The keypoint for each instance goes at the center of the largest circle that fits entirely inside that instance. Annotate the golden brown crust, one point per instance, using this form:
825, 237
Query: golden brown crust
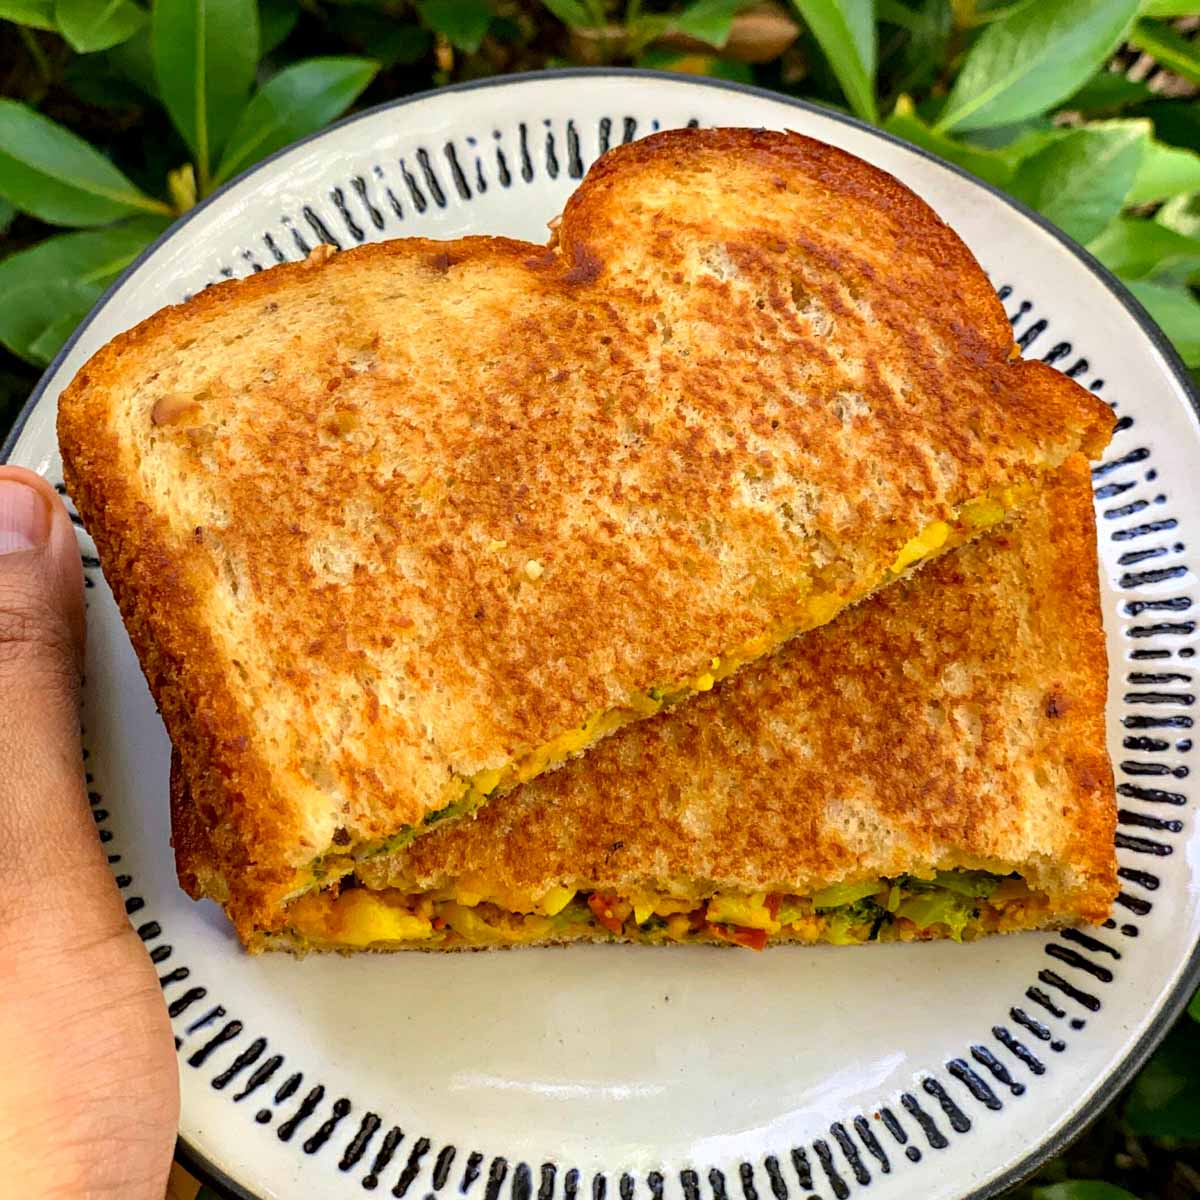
411, 512
954, 719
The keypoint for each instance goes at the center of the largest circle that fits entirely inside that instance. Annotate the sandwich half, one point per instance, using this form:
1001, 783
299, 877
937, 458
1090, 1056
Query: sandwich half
397, 529
930, 764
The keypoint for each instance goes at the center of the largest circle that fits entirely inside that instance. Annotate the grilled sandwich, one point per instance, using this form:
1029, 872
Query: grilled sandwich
397, 529
931, 764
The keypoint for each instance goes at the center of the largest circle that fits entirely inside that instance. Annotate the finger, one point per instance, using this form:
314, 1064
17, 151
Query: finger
46, 835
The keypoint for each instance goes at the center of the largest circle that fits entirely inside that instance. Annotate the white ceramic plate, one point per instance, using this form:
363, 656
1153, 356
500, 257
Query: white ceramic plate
889, 1071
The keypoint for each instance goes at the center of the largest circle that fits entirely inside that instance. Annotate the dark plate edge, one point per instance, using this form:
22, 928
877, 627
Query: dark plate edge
209, 1174
198, 1164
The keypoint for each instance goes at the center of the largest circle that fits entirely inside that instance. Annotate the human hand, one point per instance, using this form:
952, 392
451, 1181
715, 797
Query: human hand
89, 1089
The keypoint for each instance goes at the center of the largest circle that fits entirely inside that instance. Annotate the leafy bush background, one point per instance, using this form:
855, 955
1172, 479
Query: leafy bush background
116, 116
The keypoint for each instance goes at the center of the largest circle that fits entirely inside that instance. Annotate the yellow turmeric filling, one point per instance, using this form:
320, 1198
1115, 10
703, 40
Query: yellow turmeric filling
464, 794
959, 904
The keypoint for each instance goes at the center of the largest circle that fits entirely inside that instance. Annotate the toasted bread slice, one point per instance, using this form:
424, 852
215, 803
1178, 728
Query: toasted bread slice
396, 529
939, 749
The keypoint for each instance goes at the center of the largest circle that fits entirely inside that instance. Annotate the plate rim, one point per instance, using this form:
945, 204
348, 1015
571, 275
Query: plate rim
198, 1164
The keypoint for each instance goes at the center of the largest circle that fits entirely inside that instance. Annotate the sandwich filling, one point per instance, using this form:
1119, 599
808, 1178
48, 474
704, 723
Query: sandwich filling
465, 794
959, 904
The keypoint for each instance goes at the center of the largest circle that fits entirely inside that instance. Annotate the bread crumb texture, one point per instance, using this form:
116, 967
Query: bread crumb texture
392, 517
953, 720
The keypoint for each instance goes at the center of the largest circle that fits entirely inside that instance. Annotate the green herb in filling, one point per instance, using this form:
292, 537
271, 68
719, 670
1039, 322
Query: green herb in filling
576, 913
843, 894
857, 922
859, 911
939, 908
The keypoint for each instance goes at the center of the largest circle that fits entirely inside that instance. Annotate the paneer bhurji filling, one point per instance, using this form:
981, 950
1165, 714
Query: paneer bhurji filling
960, 904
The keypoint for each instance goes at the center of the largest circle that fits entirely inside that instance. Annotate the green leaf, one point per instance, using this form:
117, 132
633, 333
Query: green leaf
47, 344
644, 29
1177, 313
7, 212
205, 53
1168, 48
133, 60
90, 25
51, 173
276, 19
298, 101
1082, 1189
1138, 249
38, 14
845, 31
1081, 181
1021, 140
1193, 1008
461, 22
1165, 171
95, 80
571, 12
45, 291
1033, 57
994, 166
1107, 93
1170, 8
1165, 1098
709, 21
724, 68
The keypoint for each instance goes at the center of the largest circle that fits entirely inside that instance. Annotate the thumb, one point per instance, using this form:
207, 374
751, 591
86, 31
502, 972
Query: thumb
84, 1109
45, 833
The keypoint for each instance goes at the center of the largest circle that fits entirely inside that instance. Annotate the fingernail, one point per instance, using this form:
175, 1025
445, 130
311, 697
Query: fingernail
24, 517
